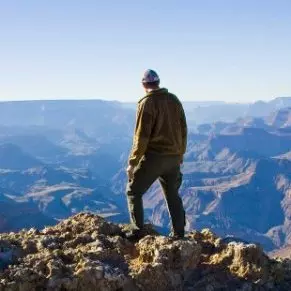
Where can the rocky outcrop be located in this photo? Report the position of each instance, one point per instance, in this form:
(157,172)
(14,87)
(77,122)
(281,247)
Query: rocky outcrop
(85,253)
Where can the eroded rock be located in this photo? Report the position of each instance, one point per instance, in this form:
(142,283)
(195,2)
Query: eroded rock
(85,252)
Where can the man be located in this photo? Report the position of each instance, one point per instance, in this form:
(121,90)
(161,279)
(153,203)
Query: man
(158,147)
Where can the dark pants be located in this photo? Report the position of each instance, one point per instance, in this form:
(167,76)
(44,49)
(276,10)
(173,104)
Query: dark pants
(167,170)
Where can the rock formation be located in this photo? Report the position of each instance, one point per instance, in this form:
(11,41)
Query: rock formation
(85,253)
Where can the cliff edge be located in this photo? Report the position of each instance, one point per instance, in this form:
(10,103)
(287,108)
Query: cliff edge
(85,252)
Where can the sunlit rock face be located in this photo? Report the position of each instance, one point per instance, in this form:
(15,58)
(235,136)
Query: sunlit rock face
(85,252)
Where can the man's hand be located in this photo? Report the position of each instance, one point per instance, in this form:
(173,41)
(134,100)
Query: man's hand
(129,171)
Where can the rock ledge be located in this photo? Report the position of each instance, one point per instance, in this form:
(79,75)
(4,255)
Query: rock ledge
(85,252)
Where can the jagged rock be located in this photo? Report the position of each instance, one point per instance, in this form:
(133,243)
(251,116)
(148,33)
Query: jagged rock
(161,262)
(244,261)
(85,252)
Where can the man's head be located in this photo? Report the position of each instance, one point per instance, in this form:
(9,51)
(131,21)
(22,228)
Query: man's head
(150,80)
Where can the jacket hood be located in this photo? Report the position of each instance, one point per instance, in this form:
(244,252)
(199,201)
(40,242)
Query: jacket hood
(154,92)
(158,91)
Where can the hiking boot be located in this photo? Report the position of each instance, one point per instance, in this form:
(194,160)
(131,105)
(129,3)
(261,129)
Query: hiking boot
(176,236)
(135,235)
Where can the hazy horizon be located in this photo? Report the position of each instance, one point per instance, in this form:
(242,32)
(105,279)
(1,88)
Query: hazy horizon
(135,101)
(236,52)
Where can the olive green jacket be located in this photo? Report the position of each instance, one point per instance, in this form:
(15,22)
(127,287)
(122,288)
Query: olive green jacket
(160,126)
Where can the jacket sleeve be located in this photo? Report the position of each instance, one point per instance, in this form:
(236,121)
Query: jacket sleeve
(184,130)
(143,129)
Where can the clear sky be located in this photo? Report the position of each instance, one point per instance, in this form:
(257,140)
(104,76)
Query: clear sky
(231,50)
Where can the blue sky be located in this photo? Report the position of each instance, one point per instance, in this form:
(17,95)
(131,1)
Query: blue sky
(231,50)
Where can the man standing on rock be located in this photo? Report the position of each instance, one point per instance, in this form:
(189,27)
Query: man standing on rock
(159,144)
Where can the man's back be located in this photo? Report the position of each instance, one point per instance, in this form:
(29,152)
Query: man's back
(161,125)
(169,130)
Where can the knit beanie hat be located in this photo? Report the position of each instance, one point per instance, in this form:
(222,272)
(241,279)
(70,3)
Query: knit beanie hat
(150,76)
